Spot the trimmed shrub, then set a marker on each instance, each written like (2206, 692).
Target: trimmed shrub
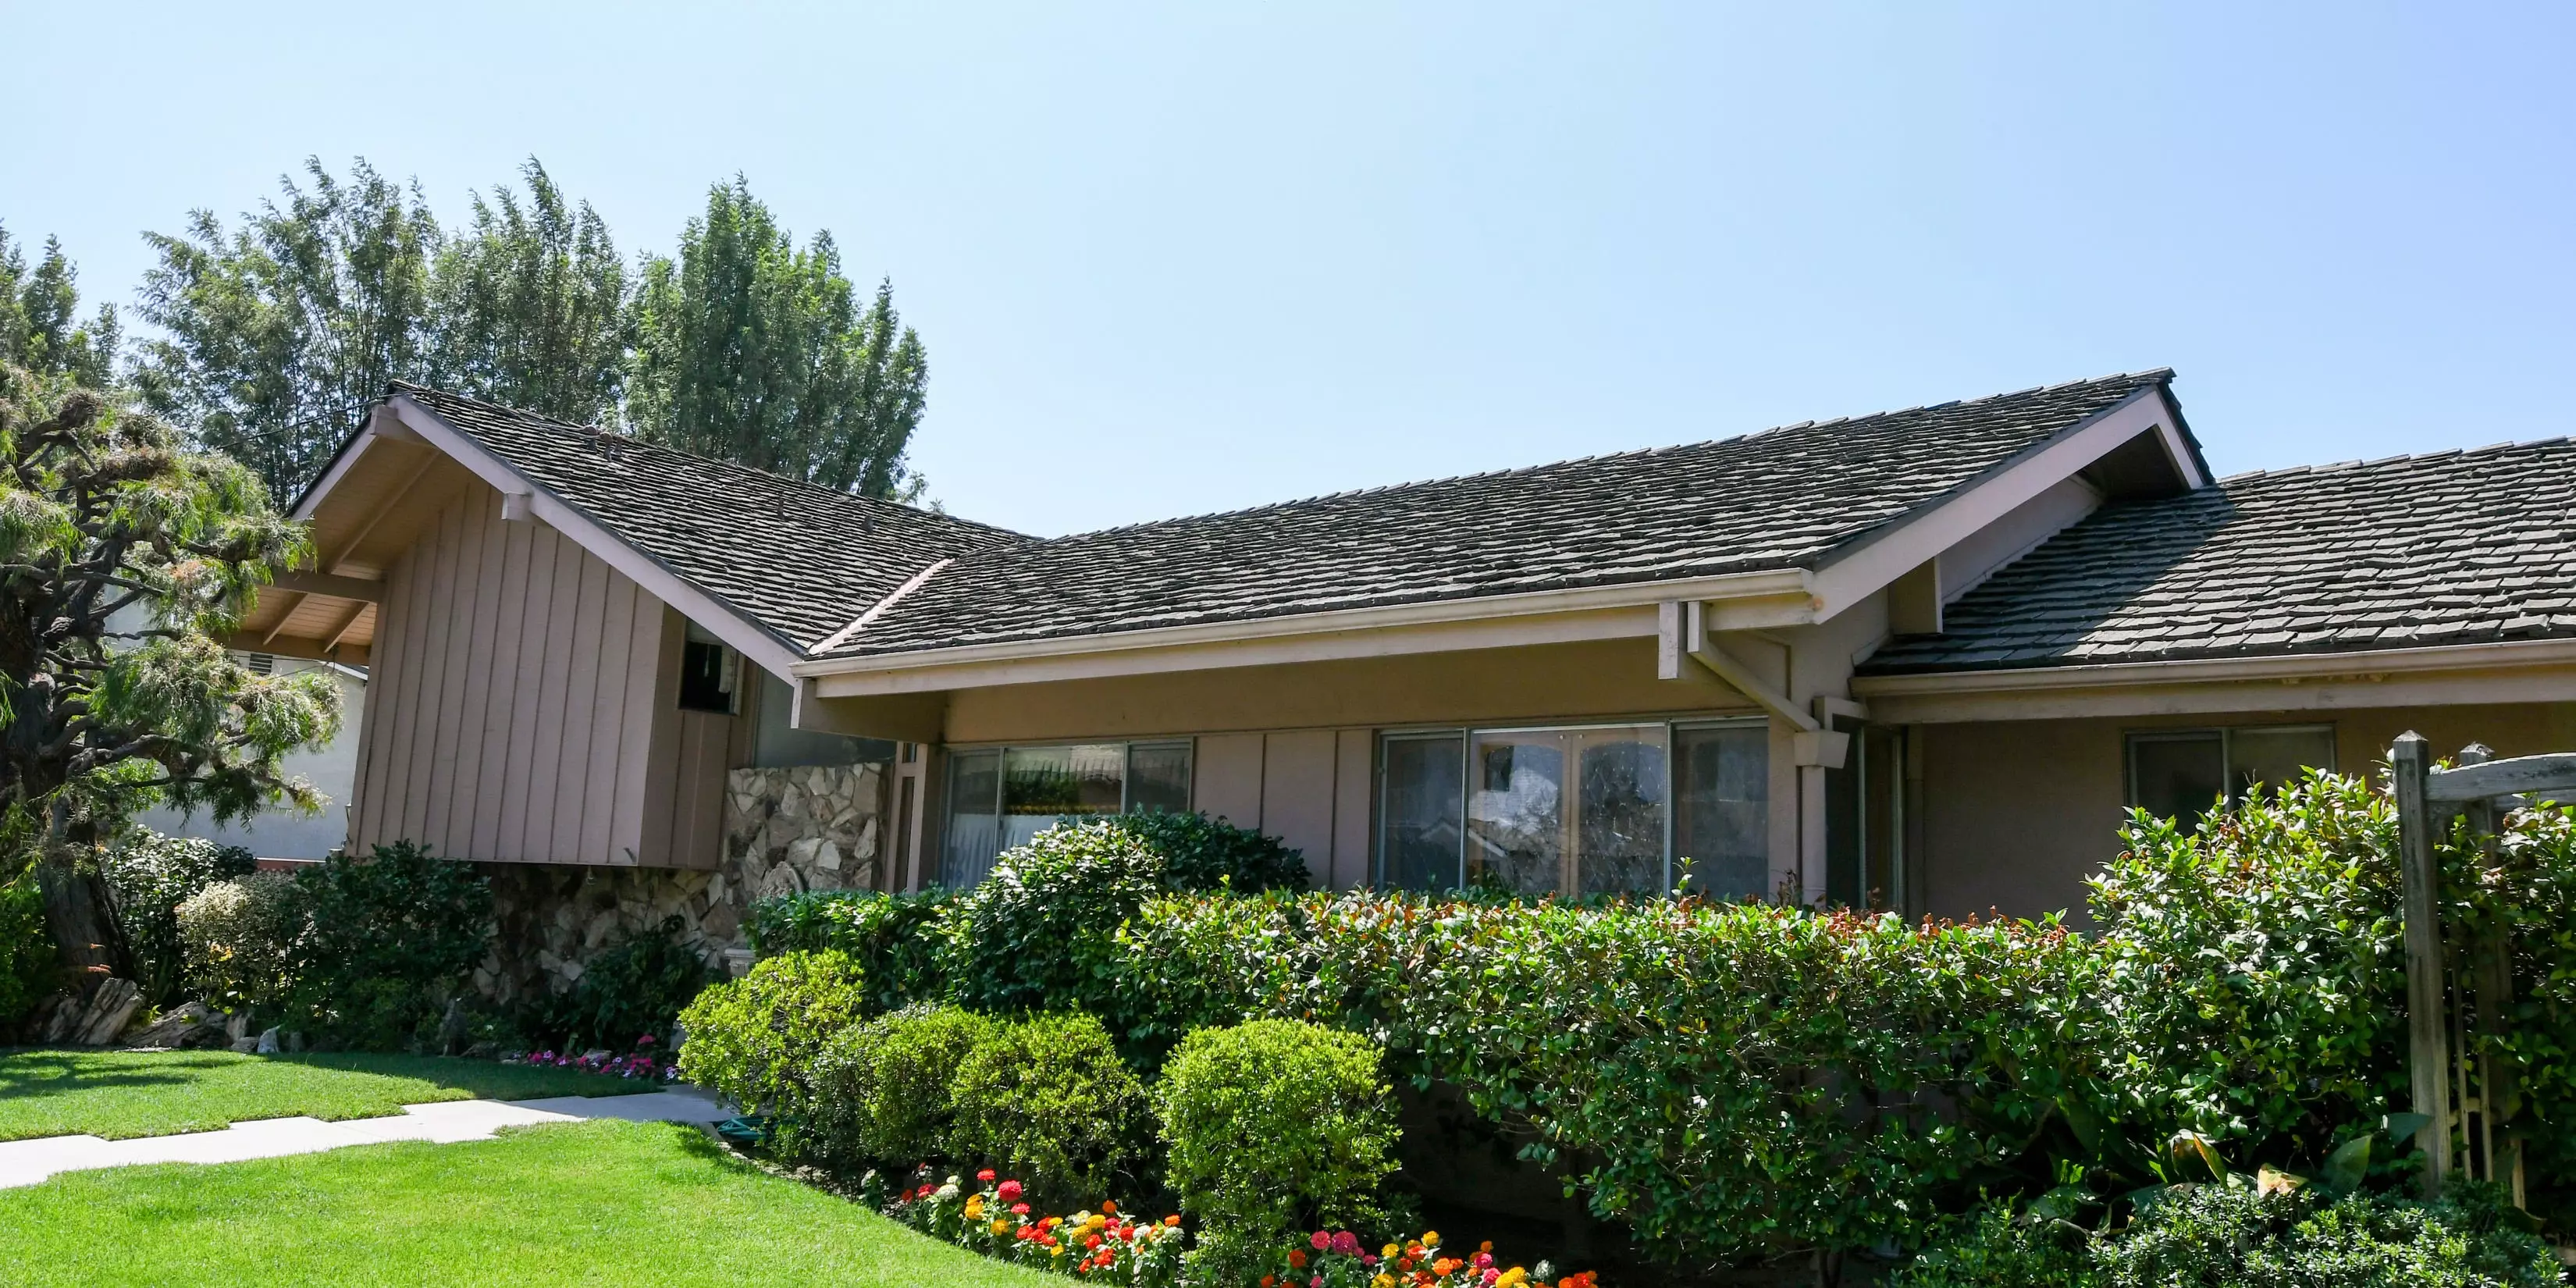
(632, 989)
(1047, 1099)
(882, 1087)
(390, 939)
(895, 937)
(1277, 1126)
(1038, 932)
(1209, 854)
(243, 939)
(30, 970)
(754, 1040)
(149, 875)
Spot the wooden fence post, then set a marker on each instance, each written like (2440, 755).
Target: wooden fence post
(2427, 1036)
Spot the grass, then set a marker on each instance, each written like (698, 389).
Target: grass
(118, 1094)
(596, 1202)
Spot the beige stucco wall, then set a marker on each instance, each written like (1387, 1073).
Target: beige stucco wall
(2018, 813)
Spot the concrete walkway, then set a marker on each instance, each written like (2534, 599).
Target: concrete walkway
(26, 1162)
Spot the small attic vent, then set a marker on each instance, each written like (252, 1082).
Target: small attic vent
(260, 663)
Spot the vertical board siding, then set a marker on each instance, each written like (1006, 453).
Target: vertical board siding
(518, 692)
(1229, 778)
(1297, 796)
(1354, 806)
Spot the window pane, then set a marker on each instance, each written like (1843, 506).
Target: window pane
(1516, 815)
(1158, 777)
(1619, 809)
(1062, 781)
(2177, 776)
(2276, 757)
(1722, 820)
(1418, 847)
(973, 833)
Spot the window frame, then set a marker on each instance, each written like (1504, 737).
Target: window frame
(2226, 734)
(1000, 751)
(1466, 736)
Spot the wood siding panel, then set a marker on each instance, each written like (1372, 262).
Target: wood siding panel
(517, 692)
(581, 687)
(663, 752)
(1229, 778)
(1297, 796)
(1354, 806)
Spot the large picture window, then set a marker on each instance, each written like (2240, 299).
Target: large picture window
(999, 797)
(1583, 810)
(2180, 773)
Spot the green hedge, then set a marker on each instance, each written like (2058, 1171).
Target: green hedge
(1744, 1081)
(1275, 1127)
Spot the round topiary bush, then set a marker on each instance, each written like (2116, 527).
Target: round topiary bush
(882, 1088)
(1276, 1126)
(1047, 1099)
(754, 1040)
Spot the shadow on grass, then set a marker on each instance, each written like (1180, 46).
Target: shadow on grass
(43, 1071)
(38, 1071)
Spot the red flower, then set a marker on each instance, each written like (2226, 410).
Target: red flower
(1009, 1191)
(1296, 1258)
(1019, 1209)
(985, 1176)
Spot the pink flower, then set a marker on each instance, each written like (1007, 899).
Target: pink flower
(1346, 1243)
(1009, 1191)
(1321, 1241)
(985, 1176)
(644, 1041)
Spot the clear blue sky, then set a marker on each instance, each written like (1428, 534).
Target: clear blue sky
(1184, 258)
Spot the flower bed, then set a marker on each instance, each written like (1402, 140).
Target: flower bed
(1114, 1247)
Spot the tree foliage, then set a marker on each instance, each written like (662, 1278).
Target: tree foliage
(123, 559)
(528, 306)
(40, 328)
(754, 351)
(279, 333)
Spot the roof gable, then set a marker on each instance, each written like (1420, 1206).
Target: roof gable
(2448, 548)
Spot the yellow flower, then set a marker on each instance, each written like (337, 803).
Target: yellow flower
(1382, 1281)
(974, 1206)
(1388, 1251)
(1512, 1278)
(1431, 1238)
(1001, 1227)
(1097, 1221)
(1056, 1251)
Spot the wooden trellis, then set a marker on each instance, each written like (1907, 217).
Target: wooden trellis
(2447, 997)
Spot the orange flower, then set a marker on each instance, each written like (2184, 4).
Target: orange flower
(1296, 1258)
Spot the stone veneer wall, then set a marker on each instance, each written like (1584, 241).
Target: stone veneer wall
(785, 830)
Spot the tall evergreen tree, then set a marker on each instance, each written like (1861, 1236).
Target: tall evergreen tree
(749, 349)
(40, 329)
(279, 333)
(528, 306)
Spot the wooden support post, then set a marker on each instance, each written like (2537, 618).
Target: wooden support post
(2490, 981)
(2428, 1053)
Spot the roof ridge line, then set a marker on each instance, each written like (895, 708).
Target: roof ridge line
(2156, 374)
(2364, 462)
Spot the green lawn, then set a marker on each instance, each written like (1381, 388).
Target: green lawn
(590, 1203)
(154, 1093)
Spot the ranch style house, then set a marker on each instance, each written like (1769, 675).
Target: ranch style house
(1921, 660)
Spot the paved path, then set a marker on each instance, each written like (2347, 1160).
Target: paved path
(26, 1162)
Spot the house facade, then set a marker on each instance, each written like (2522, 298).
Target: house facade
(1921, 660)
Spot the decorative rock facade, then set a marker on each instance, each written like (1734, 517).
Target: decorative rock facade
(785, 830)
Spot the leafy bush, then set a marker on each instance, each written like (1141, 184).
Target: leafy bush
(1046, 1097)
(895, 937)
(2233, 1236)
(1276, 1126)
(149, 875)
(2255, 970)
(754, 1040)
(633, 988)
(243, 938)
(29, 968)
(882, 1087)
(1207, 854)
(1037, 932)
(390, 939)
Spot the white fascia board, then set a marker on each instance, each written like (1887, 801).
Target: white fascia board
(379, 422)
(765, 650)
(2434, 675)
(1338, 633)
(1900, 549)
